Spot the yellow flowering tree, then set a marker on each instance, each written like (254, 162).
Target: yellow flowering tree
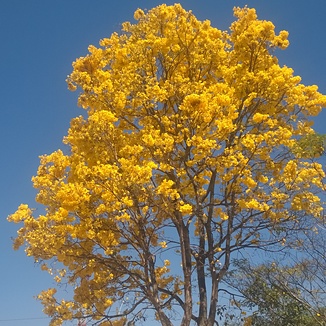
(186, 157)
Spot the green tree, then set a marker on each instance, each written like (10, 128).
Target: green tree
(185, 159)
(277, 296)
(291, 288)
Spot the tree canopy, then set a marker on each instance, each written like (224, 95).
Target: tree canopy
(279, 294)
(186, 156)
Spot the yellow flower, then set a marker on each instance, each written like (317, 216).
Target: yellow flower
(163, 244)
(185, 209)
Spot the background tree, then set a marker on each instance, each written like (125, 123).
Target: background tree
(280, 295)
(184, 160)
(288, 289)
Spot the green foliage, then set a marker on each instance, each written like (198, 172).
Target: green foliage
(269, 290)
(310, 146)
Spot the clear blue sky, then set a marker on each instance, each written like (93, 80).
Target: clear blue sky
(40, 39)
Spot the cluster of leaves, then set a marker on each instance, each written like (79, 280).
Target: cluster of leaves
(310, 146)
(187, 151)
